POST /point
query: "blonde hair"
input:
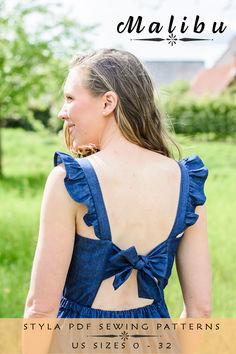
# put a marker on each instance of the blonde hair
(136, 112)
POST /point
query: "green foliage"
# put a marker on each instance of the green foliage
(36, 43)
(35, 46)
(177, 87)
(215, 116)
(29, 160)
(231, 90)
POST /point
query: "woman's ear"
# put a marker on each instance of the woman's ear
(110, 100)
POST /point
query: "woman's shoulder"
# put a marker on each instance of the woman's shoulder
(196, 173)
(193, 161)
(76, 183)
(65, 159)
(74, 177)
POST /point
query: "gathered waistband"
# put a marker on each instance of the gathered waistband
(83, 311)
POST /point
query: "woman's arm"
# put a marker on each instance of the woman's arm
(54, 248)
(194, 269)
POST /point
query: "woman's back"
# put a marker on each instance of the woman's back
(107, 241)
(136, 259)
(141, 193)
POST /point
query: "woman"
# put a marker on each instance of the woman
(112, 221)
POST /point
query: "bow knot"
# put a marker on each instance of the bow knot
(151, 269)
(141, 262)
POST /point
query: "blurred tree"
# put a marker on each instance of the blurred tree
(36, 42)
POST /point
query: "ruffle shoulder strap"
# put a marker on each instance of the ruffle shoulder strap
(78, 187)
(197, 173)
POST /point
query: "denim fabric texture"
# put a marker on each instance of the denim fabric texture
(94, 260)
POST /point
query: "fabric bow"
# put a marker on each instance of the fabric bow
(149, 267)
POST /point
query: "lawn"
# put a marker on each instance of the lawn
(27, 161)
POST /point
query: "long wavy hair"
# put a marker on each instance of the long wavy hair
(136, 113)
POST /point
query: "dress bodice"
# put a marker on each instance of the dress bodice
(94, 260)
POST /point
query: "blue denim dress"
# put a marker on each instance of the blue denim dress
(94, 260)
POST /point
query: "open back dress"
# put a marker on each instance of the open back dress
(94, 260)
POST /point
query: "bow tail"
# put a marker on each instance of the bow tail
(148, 287)
(121, 277)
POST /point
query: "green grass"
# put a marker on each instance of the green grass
(27, 161)
(220, 189)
